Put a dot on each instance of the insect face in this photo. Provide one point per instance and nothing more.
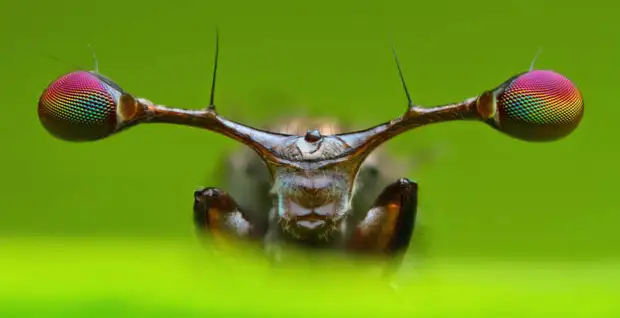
(312, 191)
(311, 200)
(314, 174)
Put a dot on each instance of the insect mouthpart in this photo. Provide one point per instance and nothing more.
(311, 202)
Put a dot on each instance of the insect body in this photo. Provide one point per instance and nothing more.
(305, 184)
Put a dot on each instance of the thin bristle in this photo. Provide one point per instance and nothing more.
(217, 49)
(402, 78)
(534, 60)
(95, 60)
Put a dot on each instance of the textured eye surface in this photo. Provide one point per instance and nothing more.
(79, 106)
(539, 106)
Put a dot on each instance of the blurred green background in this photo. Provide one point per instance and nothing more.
(489, 197)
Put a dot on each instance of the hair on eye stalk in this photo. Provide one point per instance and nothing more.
(217, 51)
(402, 78)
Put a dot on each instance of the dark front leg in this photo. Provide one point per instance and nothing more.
(216, 214)
(388, 226)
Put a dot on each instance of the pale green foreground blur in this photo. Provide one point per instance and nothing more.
(105, 229)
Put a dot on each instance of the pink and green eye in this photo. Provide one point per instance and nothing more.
(79, 106)
(539, 106)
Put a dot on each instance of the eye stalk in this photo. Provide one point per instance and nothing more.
(80, 106)
(537, 106)
(534, 106)
(85, 106)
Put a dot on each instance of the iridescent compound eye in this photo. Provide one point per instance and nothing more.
(79, 106)
(538, 106)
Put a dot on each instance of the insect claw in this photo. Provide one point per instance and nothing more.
(323, 237)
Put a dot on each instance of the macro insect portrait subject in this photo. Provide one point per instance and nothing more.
(319, 187)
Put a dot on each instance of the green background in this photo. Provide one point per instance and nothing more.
(489, 196)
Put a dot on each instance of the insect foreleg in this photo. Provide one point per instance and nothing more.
(216, 214)
(388, 226)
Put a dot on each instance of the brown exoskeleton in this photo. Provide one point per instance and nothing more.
(301, 187)
(249, 181)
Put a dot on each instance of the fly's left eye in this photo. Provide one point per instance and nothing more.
(79, 106)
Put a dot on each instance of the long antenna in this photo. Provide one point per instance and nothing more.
(402, 78)
(217, 49)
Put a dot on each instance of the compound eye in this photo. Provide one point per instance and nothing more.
(538, 106)
(80, 106)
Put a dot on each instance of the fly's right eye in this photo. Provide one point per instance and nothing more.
(80, 106)
(538, 106)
